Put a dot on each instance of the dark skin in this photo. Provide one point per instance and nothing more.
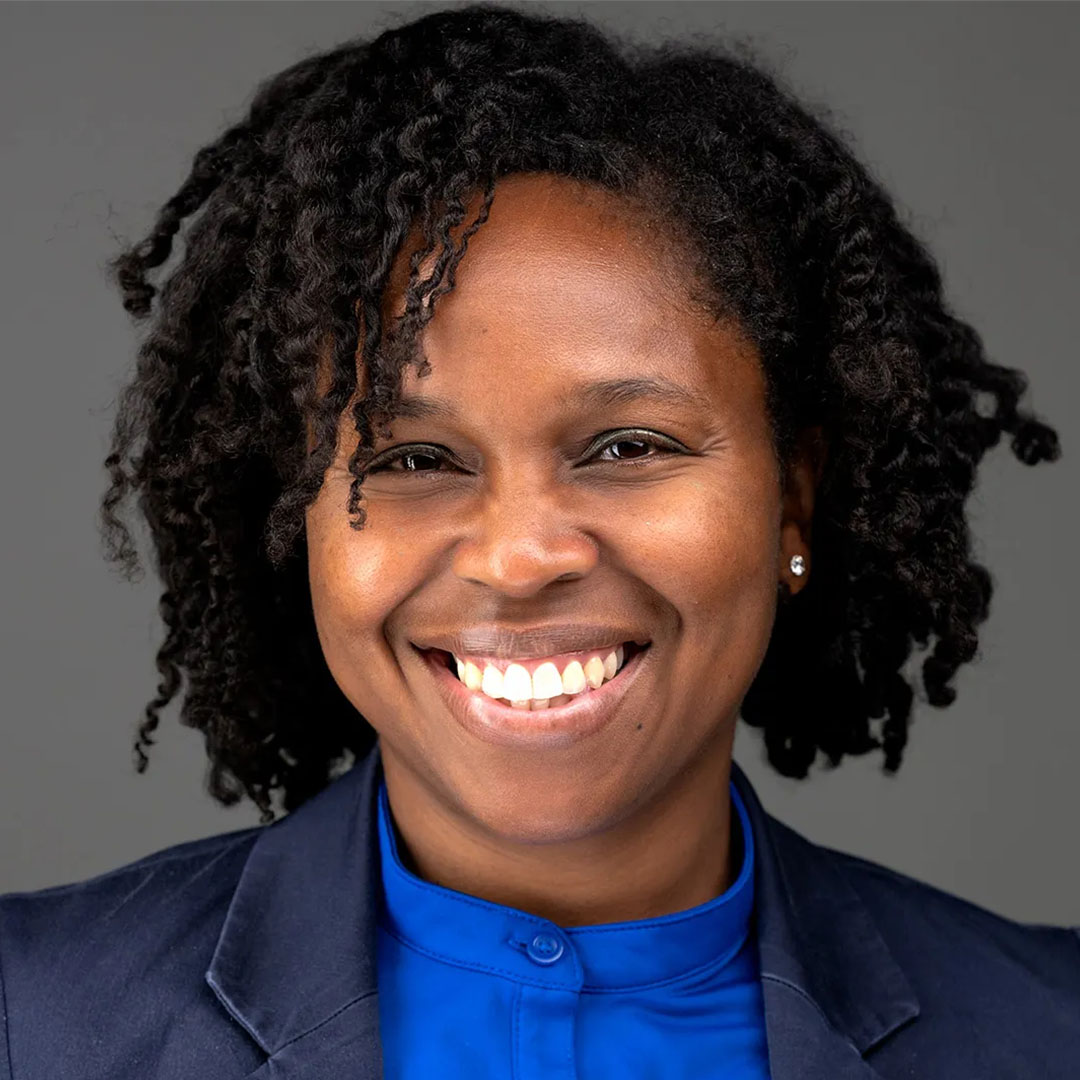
(521, 525)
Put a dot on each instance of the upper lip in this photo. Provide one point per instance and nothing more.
(524, 643)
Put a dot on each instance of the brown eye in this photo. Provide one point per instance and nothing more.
(637, 447)
(411, 459)
(409, 462)
(622, 455)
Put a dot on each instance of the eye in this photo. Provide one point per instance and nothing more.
(640, 439)
(409, 456)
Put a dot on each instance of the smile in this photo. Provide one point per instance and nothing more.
(542, 682)
(533, 720)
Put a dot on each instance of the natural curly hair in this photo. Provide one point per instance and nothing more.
(303, 206)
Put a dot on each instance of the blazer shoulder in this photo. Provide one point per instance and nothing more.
(946, 940)
(156, 890)
(69, 954)
(164, 868)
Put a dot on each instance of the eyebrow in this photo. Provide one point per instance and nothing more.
(604, 393)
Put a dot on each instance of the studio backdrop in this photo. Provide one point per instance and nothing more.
(966, 112)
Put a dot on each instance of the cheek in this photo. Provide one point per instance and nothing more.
(358, 577)
(712, 535)
(357, 580)
(708, 549)
(709, 552)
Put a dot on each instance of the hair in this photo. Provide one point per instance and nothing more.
(302, 207)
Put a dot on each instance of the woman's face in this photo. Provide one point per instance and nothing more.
(513, 516)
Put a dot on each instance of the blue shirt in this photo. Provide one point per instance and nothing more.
(471, 990)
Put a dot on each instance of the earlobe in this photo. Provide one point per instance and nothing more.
(801, 481)
(794, 557)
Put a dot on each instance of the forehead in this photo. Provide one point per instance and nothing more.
(547, 235)
(568, 277)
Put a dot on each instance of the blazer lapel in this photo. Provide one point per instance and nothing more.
(345, 1045)
(832, 989)
(295, 960)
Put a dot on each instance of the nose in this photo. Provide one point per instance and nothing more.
(522, 537)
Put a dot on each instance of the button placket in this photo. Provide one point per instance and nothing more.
(547, 1003)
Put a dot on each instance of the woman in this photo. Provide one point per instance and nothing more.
(455, 274)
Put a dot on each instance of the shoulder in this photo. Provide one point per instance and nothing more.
(913, 914)
(987, 985)
(920, 980)
(197, 870)
(70, 954)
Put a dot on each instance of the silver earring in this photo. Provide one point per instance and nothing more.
(798, 565)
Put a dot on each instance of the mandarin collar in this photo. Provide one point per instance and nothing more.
(474, 933)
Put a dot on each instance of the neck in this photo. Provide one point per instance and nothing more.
(672, 854)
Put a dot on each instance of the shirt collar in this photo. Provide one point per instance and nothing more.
(484, 936)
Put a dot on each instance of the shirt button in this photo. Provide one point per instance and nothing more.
(544, 949)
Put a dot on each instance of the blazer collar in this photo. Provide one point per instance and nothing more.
(295, 959)
(832, 988)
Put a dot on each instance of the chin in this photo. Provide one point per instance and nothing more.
(537, 814)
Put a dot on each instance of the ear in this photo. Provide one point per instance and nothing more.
(801, 481)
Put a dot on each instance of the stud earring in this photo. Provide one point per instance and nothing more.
(798, 565)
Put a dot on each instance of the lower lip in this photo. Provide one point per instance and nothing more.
(563, 725)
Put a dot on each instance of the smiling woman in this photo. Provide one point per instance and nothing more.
(525, 409)
(533, 543)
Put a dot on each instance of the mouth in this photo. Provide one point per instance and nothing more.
(562, 720)
(604, 666)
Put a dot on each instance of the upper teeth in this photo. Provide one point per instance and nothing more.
(517, 686)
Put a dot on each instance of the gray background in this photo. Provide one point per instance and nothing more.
(965, 110)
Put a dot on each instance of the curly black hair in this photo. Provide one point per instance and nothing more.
(304, 205)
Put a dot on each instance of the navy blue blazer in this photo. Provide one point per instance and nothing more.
(251, 955)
